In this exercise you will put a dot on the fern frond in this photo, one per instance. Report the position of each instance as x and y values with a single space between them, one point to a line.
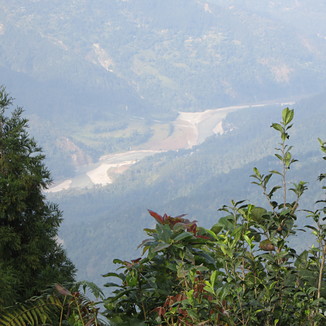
92 288
31 314
51 309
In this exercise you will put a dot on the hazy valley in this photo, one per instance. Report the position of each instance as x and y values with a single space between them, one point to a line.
123 96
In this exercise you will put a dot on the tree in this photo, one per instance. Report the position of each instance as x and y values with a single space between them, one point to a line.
30 256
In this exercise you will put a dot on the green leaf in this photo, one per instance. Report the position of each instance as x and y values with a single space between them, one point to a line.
277 126
275 172
311 227
208 288
287 159
284 136
112 275
287 116
226 251
257 213
183 235
29 317
213 278
248 240
212 233
256 171
271 193
161 246
208 259
149 231
111 284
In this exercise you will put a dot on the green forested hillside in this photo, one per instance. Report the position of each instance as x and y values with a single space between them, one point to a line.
165 57
83 64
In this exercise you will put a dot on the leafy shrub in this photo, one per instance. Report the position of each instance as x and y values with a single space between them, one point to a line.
242 271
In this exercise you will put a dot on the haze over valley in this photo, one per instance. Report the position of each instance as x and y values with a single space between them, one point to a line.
188 130
162 105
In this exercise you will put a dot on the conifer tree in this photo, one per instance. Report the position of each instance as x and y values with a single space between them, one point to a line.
30 256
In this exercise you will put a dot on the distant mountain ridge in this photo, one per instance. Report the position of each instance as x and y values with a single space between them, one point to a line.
79 63
161 50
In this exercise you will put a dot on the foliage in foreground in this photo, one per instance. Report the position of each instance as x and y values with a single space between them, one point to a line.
242 271
30 256
57 306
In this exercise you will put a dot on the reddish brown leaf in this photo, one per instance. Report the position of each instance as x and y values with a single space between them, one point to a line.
62 290
136 260
165 217
160 311
157 217
203 237
182 215
192 228
90 322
